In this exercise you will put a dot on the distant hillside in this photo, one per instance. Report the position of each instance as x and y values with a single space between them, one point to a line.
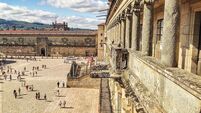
14 24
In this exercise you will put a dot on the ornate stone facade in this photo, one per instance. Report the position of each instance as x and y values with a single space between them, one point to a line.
48 43
163 40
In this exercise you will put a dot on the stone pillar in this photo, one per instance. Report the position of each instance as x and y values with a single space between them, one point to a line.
128 28
147 27
135 26
116 32
123 31
119 30
171 17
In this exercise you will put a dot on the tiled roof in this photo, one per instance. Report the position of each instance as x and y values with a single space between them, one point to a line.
48 32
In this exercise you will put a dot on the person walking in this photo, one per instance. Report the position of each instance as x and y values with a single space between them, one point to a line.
45 97
60 103
27 87
58 84
39 95
36 96
63 84
24 83
10 77
58 93
5 77
15 94
19 91
64 104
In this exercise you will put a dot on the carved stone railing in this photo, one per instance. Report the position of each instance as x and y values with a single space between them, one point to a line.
170 86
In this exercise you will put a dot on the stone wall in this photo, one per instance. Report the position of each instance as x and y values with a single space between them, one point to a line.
72 51
18 50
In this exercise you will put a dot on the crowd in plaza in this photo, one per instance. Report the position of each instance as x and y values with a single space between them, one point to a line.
9 73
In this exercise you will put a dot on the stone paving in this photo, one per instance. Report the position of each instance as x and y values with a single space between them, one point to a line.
105 106
78 100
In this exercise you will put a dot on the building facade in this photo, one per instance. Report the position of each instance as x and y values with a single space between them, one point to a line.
154 49
48 43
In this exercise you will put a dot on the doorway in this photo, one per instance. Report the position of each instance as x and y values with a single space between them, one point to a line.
43 52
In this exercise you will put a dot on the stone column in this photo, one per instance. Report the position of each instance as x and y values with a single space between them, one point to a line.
171 17
119 30
122 30
135 26
118 33
147 27
128 28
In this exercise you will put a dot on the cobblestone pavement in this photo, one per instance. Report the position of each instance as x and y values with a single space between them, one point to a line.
78 100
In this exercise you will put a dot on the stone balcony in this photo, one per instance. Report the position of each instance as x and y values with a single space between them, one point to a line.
171 90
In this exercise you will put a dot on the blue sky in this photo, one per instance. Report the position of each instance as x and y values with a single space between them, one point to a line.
78 13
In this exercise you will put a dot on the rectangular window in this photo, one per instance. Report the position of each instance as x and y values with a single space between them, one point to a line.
159 29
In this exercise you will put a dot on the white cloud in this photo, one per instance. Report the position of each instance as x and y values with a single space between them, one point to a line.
24 14
81 22
77 5
10 12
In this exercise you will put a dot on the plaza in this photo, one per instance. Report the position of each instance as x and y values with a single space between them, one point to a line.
78 100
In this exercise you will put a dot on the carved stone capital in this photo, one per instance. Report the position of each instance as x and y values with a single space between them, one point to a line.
118 19
135 6
148 2
128 12
122 16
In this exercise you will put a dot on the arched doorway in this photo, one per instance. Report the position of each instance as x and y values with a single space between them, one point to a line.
43 53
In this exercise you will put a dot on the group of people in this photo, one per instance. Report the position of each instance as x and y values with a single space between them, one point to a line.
11 72
62 103
38 96
34 73
15 93
58 84
44 66
29 87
